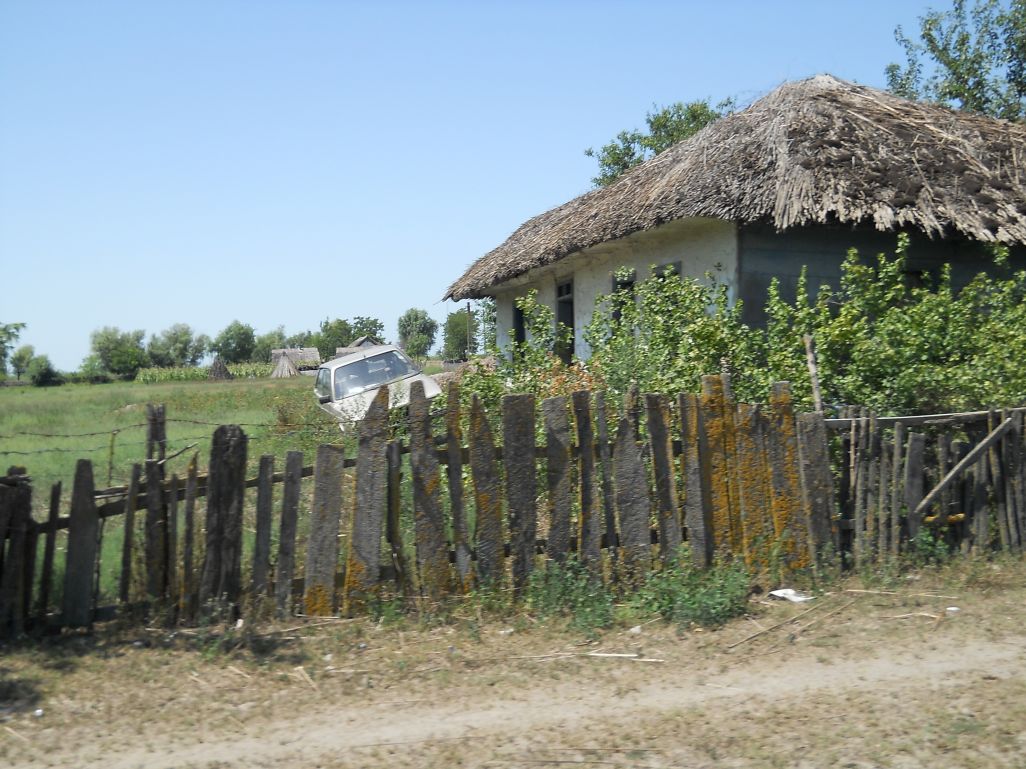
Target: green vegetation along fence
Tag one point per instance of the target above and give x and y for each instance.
(755, 482)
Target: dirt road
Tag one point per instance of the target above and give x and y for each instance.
(857, 679)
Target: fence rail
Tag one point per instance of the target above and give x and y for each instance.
(620, 491)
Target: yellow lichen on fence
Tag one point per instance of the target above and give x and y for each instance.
(789, 521)
(752, 482)
(317, 601)
(712, 404)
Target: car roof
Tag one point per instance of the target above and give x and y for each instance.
(365, 352)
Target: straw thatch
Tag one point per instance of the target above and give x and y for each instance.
(218, 370)
(356, 345)
(301, 357)
(817, 151)
(284, 368)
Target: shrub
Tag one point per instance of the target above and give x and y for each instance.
(42, 373)
(570, 590)
(689, 596)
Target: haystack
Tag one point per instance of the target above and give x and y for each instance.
(284, 369)
(218, 370)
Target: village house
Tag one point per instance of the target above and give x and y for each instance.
(797, 179)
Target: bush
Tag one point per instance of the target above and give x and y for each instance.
(42, 373)
(570, 590)
(689, 596)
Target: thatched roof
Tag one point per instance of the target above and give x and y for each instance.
(284, 368)
(356, 345)
(300, 356)
(816, 151)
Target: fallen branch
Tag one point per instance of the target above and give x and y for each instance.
(773, 627)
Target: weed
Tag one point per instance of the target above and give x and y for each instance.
(569, 589)
(928, 550)
(690, 596)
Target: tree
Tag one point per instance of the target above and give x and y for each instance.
(9, 333)
(970, 58)
(666, 127)
(121, 353)
(364, 326)
(42, 373)
(235, 343)
(177, 346)
(417, 332)
(459, 335)
(21, 358)
(333, 334)
(266, 342)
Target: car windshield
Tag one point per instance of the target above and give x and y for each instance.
(372, 371)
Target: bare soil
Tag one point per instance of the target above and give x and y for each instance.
(885, 678)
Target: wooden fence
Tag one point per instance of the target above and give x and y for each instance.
(755, 482)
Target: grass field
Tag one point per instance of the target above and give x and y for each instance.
(47, 430)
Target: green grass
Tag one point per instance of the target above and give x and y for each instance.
(46, 430)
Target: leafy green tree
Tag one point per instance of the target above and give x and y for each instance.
(417, 331)
(42, 373)
(177, 346)
(121, 353)
(333, 334)
(21, 358)
(300, 339)
(364, 326)
(272, 340)
(666, 127)
(973, 58)
(486, 315)
(235, 343)
(459, 335)
(9, 333)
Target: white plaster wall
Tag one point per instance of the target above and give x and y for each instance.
(702, 246)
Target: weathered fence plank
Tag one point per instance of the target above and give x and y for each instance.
(286, 566)
(751, 482)
(883, 499)
(817, 484)
(322, 541)
(657, 411)
(393, 531)
(49, 546)
(81, 558)
(697, 502)
(221, 580)
(429, 523)
(15, 588)
(363, 565)
(487, 500)
(454, 472)
(189, 598)
(714, 462)
(172, 546)
(897, 460)
(913, 481)
(589, 547)
(605, 465)
(155, 533)
(632, 503)
(518, 420)
(789, 524)
(262, 540)
(558, 476)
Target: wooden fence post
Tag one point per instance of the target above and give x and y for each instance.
(557, 474)
(363, 566)
(590, 528)
(187, 608)
(454, 472)
(286, 567)
(81, 558)
(657, 409)
(393, 531)
(156, 533)
(897, 461)
(487, 502)
(605, 463)
(817, 484)
(789, 524)
(521, 483)
(262, 541)
(697, 501)
(752, 503)
(221, 580)
(322, 541)
(172, 547)
(15, 524)
(632, 503)
(49, 546)
(714, 462)
(913, 481)
(429, 524)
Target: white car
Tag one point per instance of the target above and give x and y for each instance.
(346, 386)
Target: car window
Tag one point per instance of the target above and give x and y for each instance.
(370, 372)
(323, 384)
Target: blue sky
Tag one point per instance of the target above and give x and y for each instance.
(285, 162)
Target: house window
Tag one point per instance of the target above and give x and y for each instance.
(623, 280)
(519, 327)
(565, 317)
